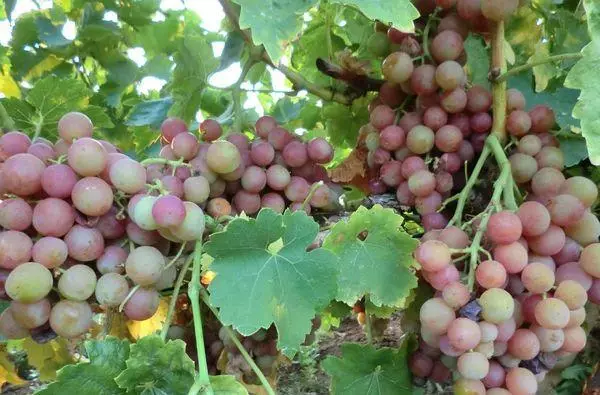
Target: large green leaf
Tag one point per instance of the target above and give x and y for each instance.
(227, 385)
(366, 370)
(478, 60)
(155, 366)
(344, 122)
(274, 23)
(400, 13)
(151, 112)
(232, 52)
(265, 275)
(375, 257)
(96, 377)
(584, 76)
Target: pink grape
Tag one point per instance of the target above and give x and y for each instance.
(506, 329)
(174, 186)
(185, 145)
(144, 265)
(320, 151)
(534, 217)
(575, 339)
(550, 340)
(537, 278)
(422, 183)
(530, 145)
(278, 137)
(434, 118)
(504, 227)
(552, 313)
(168, 211)
(572, 293)
(582, 188)
(142, 304)
(570, 252)
(84, 244)
(454, 237)
(524, 344)
(74, 125)
(58, 181)
(440, 279)
(436, 315)
(391, 173)
(481, 122)
(87, 157)
(112, 260)
(297, 190)
(479, 99)
(128, 176)
(192, 227)
(15, 214)
(549, 242)
(71, 319)
(51, 252)
(53, 217)
(171, 127)
(22, 174)
(495, 376)
(433, 255)
(262, 153)
(542, 119)
(411, 165)
(586, 231)
(247, 202)
(273, 201)
(254, 179)
(420, 365)
(13, 143)
(448, 138)
(429, 204)
(520, 381)
(15, 248)
(464, 334)
(512, 256)
(490, 274)
(565, 210)
(473, 366)
(322, 197)
(589, 261)
(31, 315)
(404, 195)
(397, 68)
(42, 151)
(92, 196)
(264, 125)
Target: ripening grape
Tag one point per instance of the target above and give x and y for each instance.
(489, 331)
(13, 143)
(447, 45)
(22, 174)
(223, 157)
(464, 386)
(70, 318)
(420, 139)
(572, 293)
(481, 122)
(50, 252)
(264, 125)
(218, 207)
(77, 283)
(518, 123)
(142, 213)
(548, 243)
(422, 183)
(575, 339)
(128, 176)
(254, 179)
(111, 289)
(473, 366)
(515, 100)
(192, 227)
(58, 180)
(435, 117)
(185, 145)
(520, 381)
(15, 214)
(397, 67)
(542, 119)
(42, 151)
(15, 248)
(84, 244)
(537, 278)
(144, 265)
(456, 295)
(444, 182)
(29, 282)
(433, 255)
(61, 147)
(497, 305)
(321, 197)
(249, 202)
(196, 189)
(382, 116)
(74, 125)
(53, 217)
(582, 188)
(504, 227)
(547, 182)
(320, 151)
(455, 101)
(565, 210)
(506, 329)
(589, 260)
(436, 316)
(534, 217)
(142, 304)
(449, 75)
(87, 157)
(168, 211)
(262, 153)
(210, 130)
(464, 334)
(422, 80)
(523, 167)
(278, 138)
(92, 196)
(552, 313)
(295, 154)
(498, 11)
(448, 138)
(551, 157)
(274, 201)
(420, 364)
(31, 315)
(490, 274)
(217, 188)
(586, 231)
(171, 127)
(410, 120)
(404, 195)
(530, 145)
(479, 99)
(524, 344)
(112, 260)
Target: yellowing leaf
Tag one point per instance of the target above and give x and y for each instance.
(43, 67)
(8, 86)
(8, 373)
(49, 357)
(139, 329)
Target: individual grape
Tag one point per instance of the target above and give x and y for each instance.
(497, 305)
(15, 214)
(577, 317)
(523, 167)
(397, 67)
(218, 207)
(192, 227)
(71, 319)
(51, 252)
(223, 157)
(464, 334)
(490, 274)
(144, 265)
(250, 203)
(479, 99)
(53, 217)
(434, 221)
(273, 201)
(422, 183)
(404, 195)
(440, 373)
(444, 182)
(392, 138)
(295, 154)
(524, 344)
(481, 122)
(420, 139)
(74, 125)
(391, 94)
(168, 211)
(420, 365)
(464, 386)
(454, 101)
(573, 271)
(29, 282)
(110, 226)
(489, 332)
(262, 153)
(589, 261)
(254, 179)
(112, 260)
(447, 45)
(22, 174)
(84, 244)
(321, 197)
(473, 366)
(575, 339)
(297, 190)
(449, 75)
(422, 80)
(411, 165)
(530, 145)
(372, 141)
(142, 304)
(537, 278)
(454, 237)
(196, 189)
(320, 151)
(551, 157)
(518, 123)
(210, 130)
(447, 349)
(185, 145)
(409, 120)
(552, 313)
(572, 293)
(61, 147)
(167, 153)
(264, 125)
(547, 182)
(542, 119)
(278, 177)
(520, 381)
(515, 100)
(549, 242)
(448, 138)
(478, 141)
(42, 151)
(58, 180)
(436, 316)
(142, 213)
(128, 176)
(13, 143)
(506, 329)
(504, 227)
(382, 116)
(391, 173)
(570, 252)
(498, 11)
(171, 127)
(466, 152)
(550, 340)
(544, 260)
(92, 196)
(582, 188)
(87, 157)
(440, 279)
(462, 122)
(586, 231)
(433, 255)
(111, 289)
(434, 118)
(77, 283)
(534, 217)
(565, 210)
(31, 315)
(278, 138)
(495, 376)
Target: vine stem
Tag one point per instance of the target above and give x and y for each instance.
(519, 69)
(311, 193)
(499, 87)
(129, 295)
(261, 377)
(203, 380)
(174, 295)
(176, 257)
(163, 161)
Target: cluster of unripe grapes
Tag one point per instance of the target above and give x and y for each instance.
(427, 120)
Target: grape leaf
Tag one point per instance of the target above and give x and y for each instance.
(151, 112)
(375, 257)
(544, 72)
(400, 13)
(9, 6)
(96, 377)
(344, 122)
(287, 110)
(154, 365)
(365, 370)
(232, 51)
(48, 357)
(478, 60)
(227, 385)
(573, 147)
(258, 285)
(274, 23)
(584, 76)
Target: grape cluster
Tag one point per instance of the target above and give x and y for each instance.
(64, 230)
(427, 122)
